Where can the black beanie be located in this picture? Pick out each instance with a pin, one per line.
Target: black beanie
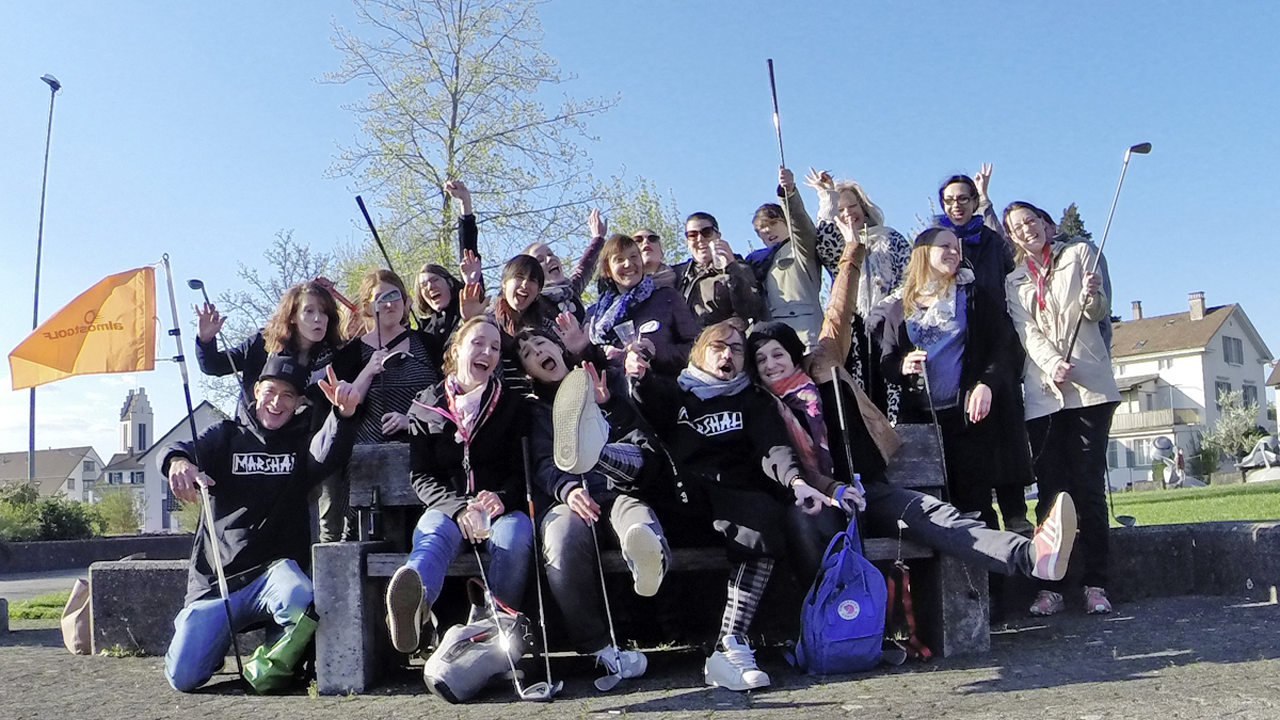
(763, 332)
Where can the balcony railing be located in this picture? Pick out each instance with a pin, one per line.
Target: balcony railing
(1151, 419)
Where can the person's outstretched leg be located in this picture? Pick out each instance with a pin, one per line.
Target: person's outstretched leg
(643, 544)
(573, 578)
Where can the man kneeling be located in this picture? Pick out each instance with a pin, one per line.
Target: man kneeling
(259, 470)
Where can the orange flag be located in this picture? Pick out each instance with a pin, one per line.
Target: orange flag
(109, 328)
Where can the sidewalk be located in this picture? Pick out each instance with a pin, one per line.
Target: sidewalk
(1186, 658)
(24, 586)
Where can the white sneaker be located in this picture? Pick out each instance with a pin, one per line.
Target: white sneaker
(407, 609)
(580, 428)
(624, 663)
(734, 667)
(642, 550)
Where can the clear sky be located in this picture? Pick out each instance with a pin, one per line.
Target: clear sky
(201, 129)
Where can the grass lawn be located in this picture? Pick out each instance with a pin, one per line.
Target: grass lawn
(40, 607)
(1253, 501)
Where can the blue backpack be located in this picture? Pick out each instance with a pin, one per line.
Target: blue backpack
(842, 619)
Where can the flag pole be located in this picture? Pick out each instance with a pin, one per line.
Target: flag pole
(54, 87)
(176, 332)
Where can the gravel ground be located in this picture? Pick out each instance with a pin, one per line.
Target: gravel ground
(1170, 658)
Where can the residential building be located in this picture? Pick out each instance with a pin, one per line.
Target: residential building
(71, 471)
(135, 468)
(1170, 370)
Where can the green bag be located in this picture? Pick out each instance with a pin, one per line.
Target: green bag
(270, 670)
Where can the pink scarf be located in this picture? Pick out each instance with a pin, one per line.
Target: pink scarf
(798, 394)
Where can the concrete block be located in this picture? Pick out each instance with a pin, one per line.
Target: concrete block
(133, 603)
(1151, 561)
(351, 639)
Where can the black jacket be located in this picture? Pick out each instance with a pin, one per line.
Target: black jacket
(677, 329)
(715, 295)
(259, 497)
(991, 259)
(438, 462)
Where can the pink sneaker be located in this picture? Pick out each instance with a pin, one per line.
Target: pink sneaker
(1051, 545)
(1047, 603)
(1095, 601)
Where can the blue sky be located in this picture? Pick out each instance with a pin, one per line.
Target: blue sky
(202, 129)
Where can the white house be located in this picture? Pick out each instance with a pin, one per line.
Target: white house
(70, 471)
(135, 465)
(1170, 369)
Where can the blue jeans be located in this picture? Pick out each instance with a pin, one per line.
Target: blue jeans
(437, 540)
(200, 638)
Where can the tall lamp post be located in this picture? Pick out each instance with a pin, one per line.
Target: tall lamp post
(54, 87)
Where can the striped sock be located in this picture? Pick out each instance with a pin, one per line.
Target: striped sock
(621, 463)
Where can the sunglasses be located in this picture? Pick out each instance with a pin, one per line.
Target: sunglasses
(388, 297)
(642, 238)
(705, 232)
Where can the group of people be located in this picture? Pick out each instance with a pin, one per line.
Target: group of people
(691, 403)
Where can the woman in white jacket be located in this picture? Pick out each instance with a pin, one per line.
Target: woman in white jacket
(1069, 399)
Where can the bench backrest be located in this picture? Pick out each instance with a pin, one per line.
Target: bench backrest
(918, 465)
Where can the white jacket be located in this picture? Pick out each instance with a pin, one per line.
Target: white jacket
(1045, 333)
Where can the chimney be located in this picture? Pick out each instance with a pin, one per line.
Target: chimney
(1197, 305)
(1137, 309)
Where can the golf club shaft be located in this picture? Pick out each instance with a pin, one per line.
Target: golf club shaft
(608, 613)
(1106, 229)
(493, 608)
(537, 553)
(848, 451)
(226, 349)
(937, 430)
(782, 156)
(176, 332)
(368, 220)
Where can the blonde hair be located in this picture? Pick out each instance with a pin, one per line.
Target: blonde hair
(919, 272)
(873, 213)
(450, 363)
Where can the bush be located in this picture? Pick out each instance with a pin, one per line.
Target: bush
(121, 511)
(25, 516)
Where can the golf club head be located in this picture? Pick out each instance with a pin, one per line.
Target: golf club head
(541, 692)
(195, 284)
(52, 82)
(1127, 520)
(1141, 148)
(395, 360)
(607, 682)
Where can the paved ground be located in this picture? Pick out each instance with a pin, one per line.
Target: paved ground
(23, 586)
(1172, 659)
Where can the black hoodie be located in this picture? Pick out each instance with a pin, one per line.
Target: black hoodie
(259, 497)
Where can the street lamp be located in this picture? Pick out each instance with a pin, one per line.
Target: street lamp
(54, 87)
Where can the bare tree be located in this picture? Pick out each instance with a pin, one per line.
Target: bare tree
(456, 88)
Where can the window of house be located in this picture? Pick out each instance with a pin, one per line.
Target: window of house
(71, 484)
(142, 437)
(1164, 363)
(89, 466)
(170, 501)
(1249, 394)
(115, 478)
(1120, 369)
(1233, 350)
(1141, 452)
(1117, 454)
(137, 477)
(1220, 388)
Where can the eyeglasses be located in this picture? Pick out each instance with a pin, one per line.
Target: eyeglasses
(1026, 226)
(957, 200)
(388, 297)
(643, 238)
(705, 232)
(719, 347)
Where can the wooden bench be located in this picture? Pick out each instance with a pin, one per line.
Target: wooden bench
(352, 647)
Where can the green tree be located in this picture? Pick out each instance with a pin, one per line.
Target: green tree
(288, 261)
(457, 89)
(1236, 431)
(187, 516)
(121, 511)
(1071, 225)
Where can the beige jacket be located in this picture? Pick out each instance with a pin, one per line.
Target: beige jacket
(794, 283)
(833, 347)
(1045, 333)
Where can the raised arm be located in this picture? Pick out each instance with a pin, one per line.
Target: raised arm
(585, 269)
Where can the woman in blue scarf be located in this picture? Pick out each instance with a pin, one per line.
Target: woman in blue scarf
(660, 321)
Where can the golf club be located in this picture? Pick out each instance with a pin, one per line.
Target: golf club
(553, 687)
(176, 332)
(782, 157)
(937, 430)
(1125, 520)
(610, 681)
(374, 230)
(848, 452)
(195, 284)
(537, 692)
(1141, 149)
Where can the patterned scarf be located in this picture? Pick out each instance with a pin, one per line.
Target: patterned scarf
(1039, 273)
(706, 386)
(612, 307)
(797, 398)
(970, 232)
